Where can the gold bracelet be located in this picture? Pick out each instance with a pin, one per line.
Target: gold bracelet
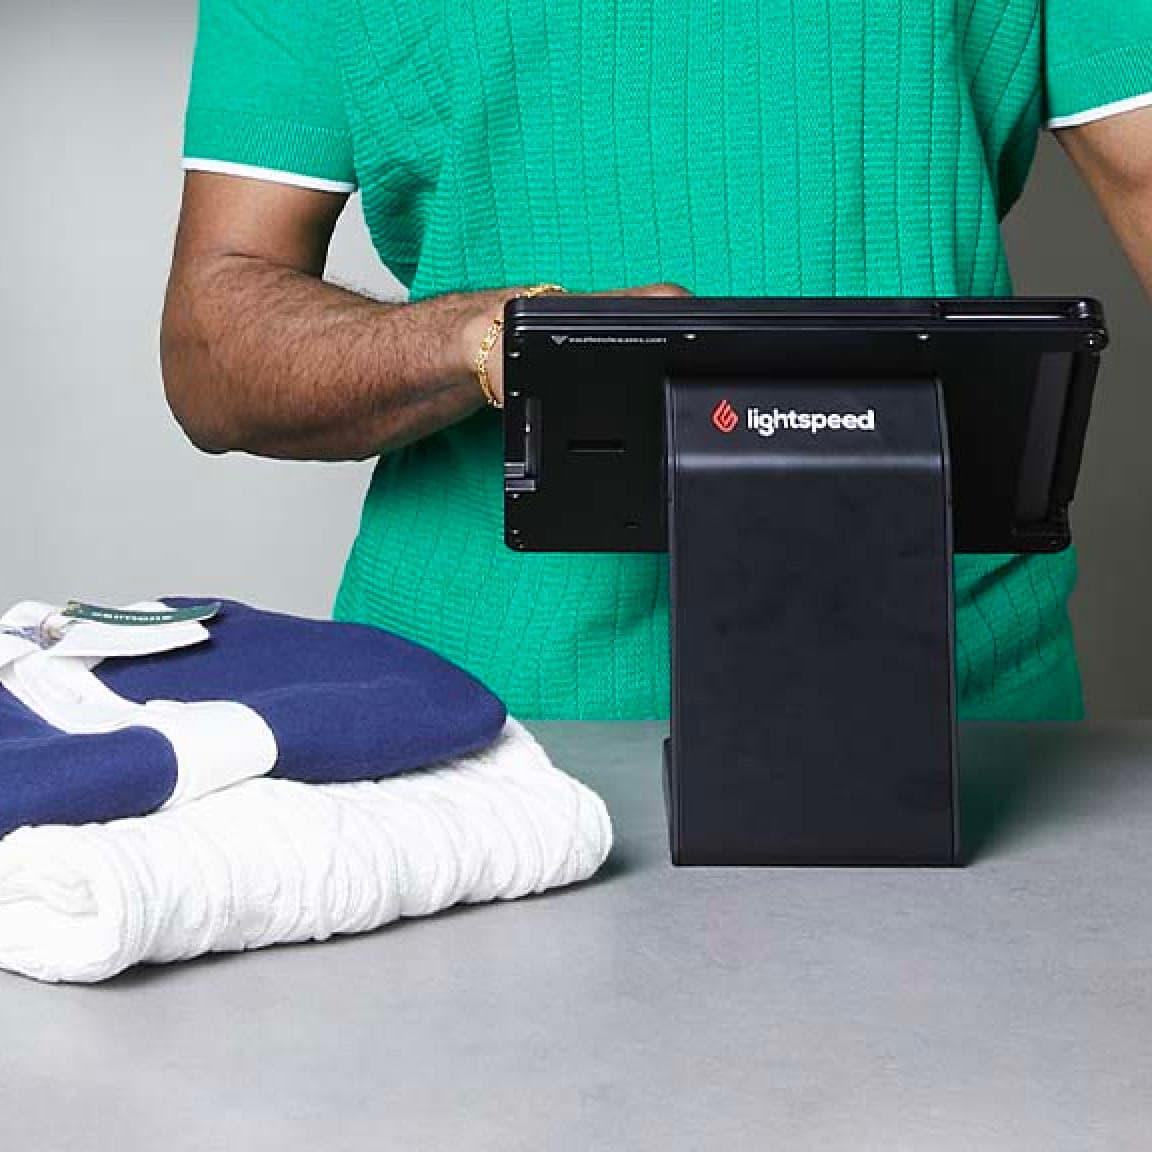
(480, 366)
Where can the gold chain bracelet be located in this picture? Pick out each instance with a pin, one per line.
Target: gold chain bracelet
(493, 334)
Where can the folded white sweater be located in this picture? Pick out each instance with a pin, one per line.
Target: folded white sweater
(271, 861)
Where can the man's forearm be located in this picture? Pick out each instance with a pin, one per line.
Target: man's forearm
(265, 359)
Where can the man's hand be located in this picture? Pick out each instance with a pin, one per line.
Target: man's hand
(261, 355)
(490, 305)
(1114, 155)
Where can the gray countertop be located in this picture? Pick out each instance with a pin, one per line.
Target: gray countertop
(1006, 1005)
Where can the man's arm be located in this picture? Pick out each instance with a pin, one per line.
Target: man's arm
(1114, 155)
(261, 355)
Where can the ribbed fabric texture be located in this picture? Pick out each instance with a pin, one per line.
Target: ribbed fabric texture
(249, 139)
(1129, 68)
(738, 147)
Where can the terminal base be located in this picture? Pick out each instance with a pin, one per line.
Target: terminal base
(813, 702)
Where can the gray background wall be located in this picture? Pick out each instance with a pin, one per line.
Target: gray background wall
(102, 497)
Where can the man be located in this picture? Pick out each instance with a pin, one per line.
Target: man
(822, 147)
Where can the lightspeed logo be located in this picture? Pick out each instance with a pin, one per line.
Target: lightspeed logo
(767, 423)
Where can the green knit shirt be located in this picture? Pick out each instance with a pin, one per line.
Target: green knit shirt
(737, 147)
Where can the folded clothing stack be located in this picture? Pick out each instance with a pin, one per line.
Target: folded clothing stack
(89, 734)
(268, 779)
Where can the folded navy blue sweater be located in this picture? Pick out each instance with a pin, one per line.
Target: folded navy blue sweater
(343, 702)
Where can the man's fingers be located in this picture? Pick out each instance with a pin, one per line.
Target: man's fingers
(665, 289)
(661, 289)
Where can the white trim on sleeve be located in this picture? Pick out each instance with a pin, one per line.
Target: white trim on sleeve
(1099, 113)
(273, 175)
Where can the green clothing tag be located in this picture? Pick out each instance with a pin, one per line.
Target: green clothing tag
(128, 618)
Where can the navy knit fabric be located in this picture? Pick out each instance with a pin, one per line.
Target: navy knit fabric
(48, 777)
(345, 702)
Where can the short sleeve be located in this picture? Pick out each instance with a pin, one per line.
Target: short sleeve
(267, 98)
(1098, 59)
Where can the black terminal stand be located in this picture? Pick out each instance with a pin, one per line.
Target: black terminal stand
(813, 714)
(810, 466)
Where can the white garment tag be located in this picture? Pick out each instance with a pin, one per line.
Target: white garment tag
(32, 626)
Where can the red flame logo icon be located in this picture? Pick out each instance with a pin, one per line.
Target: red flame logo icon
(724, 417)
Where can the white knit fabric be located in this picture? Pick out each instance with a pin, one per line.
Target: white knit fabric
(273, 861)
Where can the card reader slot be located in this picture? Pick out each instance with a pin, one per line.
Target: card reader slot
(596, 447)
